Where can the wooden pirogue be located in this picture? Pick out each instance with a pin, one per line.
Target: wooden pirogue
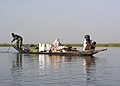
(71, 53)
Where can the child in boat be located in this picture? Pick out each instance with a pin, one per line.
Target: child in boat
(93, 45)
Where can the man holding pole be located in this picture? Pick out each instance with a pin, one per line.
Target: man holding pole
(18, 40)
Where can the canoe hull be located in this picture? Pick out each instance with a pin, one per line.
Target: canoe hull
(70, 53)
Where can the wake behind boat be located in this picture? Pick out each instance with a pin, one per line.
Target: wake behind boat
(34, 50)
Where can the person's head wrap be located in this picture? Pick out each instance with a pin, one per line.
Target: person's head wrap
(87, 36)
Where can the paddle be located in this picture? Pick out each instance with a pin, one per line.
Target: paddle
(9, 47)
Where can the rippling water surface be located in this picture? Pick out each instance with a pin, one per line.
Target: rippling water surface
(43, 70)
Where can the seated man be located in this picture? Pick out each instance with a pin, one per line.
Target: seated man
(57, 45)
(88, 43)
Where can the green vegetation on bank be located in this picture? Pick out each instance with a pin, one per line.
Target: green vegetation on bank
(98, 45)
(109, 45)
(7, 45)
(74, 45)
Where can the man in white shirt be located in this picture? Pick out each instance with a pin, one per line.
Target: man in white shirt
(56, 43)
(87, 43)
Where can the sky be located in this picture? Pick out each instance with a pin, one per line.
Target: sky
(69, 20)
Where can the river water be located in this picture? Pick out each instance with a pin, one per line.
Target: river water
(43, 70)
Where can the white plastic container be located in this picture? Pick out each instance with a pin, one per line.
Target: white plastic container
(42, 47)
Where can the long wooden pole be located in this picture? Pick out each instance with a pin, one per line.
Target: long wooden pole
(9, 47)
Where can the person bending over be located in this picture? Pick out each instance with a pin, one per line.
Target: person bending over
(18, 40)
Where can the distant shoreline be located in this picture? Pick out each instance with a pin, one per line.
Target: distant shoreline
(74, 45)
(98, 45)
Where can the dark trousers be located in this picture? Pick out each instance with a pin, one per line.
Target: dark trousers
(19, 43)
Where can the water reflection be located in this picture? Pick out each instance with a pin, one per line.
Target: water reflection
(89, 68)
(16, 70)
(17, 63)
(53, 67)
(46, 59)
(52, 63)
(69, 65)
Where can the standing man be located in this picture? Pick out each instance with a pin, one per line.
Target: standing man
(18, 40)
